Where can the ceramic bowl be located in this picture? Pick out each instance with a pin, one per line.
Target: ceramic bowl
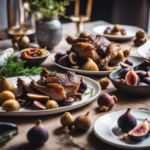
(33, 61)
(128, 89)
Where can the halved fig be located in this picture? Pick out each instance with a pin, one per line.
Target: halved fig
(140, 131)
(132, 78)
(73, 58)
(142, 74)
(68, 101)
(39, 97)
(39, 106)
(129, 62)
(124, 65)
(123, 73)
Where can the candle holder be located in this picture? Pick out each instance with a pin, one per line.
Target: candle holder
(80, 19)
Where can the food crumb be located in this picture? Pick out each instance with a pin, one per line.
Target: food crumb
(103, 108)
(122, 81)
(124, 136)
(66, 130)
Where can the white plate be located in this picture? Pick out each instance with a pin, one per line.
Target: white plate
(27, 112)
(107, 130)
(130, 30)
(144, 50)
(136, 61)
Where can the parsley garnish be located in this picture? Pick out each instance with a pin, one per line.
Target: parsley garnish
(11, 68)
(53, 72)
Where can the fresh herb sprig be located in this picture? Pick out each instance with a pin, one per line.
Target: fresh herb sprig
(11, 68)
(53, 72)
(91, 92)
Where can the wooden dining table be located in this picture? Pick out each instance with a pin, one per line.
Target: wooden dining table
(76, 140)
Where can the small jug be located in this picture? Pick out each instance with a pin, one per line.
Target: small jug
(4, 54)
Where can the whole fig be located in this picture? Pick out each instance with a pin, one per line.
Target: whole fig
(83, 86)
(127, 121)
(83, 122)
(106, 102)
(37, 135)
(67, 119)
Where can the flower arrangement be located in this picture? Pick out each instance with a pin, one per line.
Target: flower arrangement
(48, 8)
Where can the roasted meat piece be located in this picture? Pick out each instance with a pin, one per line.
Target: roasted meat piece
(59, 86)
(54, 90)
(26, 86)
(69, 81)
(19, 92)
(101, 50)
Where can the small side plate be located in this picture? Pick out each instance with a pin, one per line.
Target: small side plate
(131, 31)
(107, 130)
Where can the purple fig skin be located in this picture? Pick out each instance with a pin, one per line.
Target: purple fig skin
(124, 65)
(38, 134)
(123, 32)
(129, 62)
(142, 74)
(123, 73)
(105, 101)
(59, 55)
(146, 80)
(64, 61)
(82, 122)
(83, 86)
(127, 121)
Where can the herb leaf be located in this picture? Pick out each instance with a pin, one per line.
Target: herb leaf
(30, 77)
(91, 92)
(53, 72)
(11, 68)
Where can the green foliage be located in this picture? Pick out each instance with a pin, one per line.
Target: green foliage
(49, 8)
(11, 68)
(91, 92)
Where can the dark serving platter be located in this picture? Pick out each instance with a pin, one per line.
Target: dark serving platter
(128, 89)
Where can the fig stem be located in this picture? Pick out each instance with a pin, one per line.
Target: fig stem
(81, 79)
(87, 113)
(128, 110)
(131, 69)
(38, 122)
(114, 98)
(130, 49)
(103, 108)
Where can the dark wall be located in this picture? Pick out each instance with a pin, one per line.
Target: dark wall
(130, 12)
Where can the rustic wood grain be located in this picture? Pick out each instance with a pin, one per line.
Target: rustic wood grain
(86, 140)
